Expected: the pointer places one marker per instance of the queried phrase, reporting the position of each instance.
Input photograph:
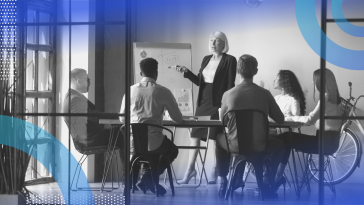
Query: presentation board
(168, 54)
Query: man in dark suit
(86, 129)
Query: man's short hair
(76, 72)
(148, 66)
(247, 66)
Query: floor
(347, 194)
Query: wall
(269, 32)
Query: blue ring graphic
(311, 31)
(346, 26)
(10, 126)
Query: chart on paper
(184, 100)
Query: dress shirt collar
(147, 79)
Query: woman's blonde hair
(330, 85)
(220, 35)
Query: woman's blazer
(224, 78)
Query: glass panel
(350, 9)
(44, 37)
(30, 70)
(115, 10)
(44, 17)
(44, 31)
(43, 71)
(31, 34)
(80, 46)
(45, 123)
(29, 105)
(80, 10)
(44, 107)
(31, 18)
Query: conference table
(190, 123)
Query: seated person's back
(148, 101)
(248, 95)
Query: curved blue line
(346, 26)
(311, 31)
(14, 133)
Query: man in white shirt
(148, 101)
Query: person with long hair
(291, 100)
(309, 143)
(216, 75)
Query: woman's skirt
(206, 109)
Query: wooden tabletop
(202, 123)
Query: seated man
(247, 95)
(87, 130)
(148, 103)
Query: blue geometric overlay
(311, 31)
(30, 134)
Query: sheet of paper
(184, 100)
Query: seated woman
(309, 143)
(291, 101)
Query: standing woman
(216, 75)
(309, 143)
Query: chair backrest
(251, 128)
(76, 143)
(140, 136)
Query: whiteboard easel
(168, 54)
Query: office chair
(86, 151)
(140, 136)
(252, 128)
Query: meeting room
(177, 102)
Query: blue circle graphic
(346, 26)
(311, 31)
(21, 134)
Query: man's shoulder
(261, 90)
(74, 95)
(162, 88)
(257, 90)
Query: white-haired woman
(216, 75)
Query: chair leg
(305, 177)
(170, 177)
(77, 167)
(132, 180)
(228, 188)
(246, 173)
(132, 173)
(117, 171)
(108, 163)
(154, 168)
(258, 167)
(306, 163)
(79, 171)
